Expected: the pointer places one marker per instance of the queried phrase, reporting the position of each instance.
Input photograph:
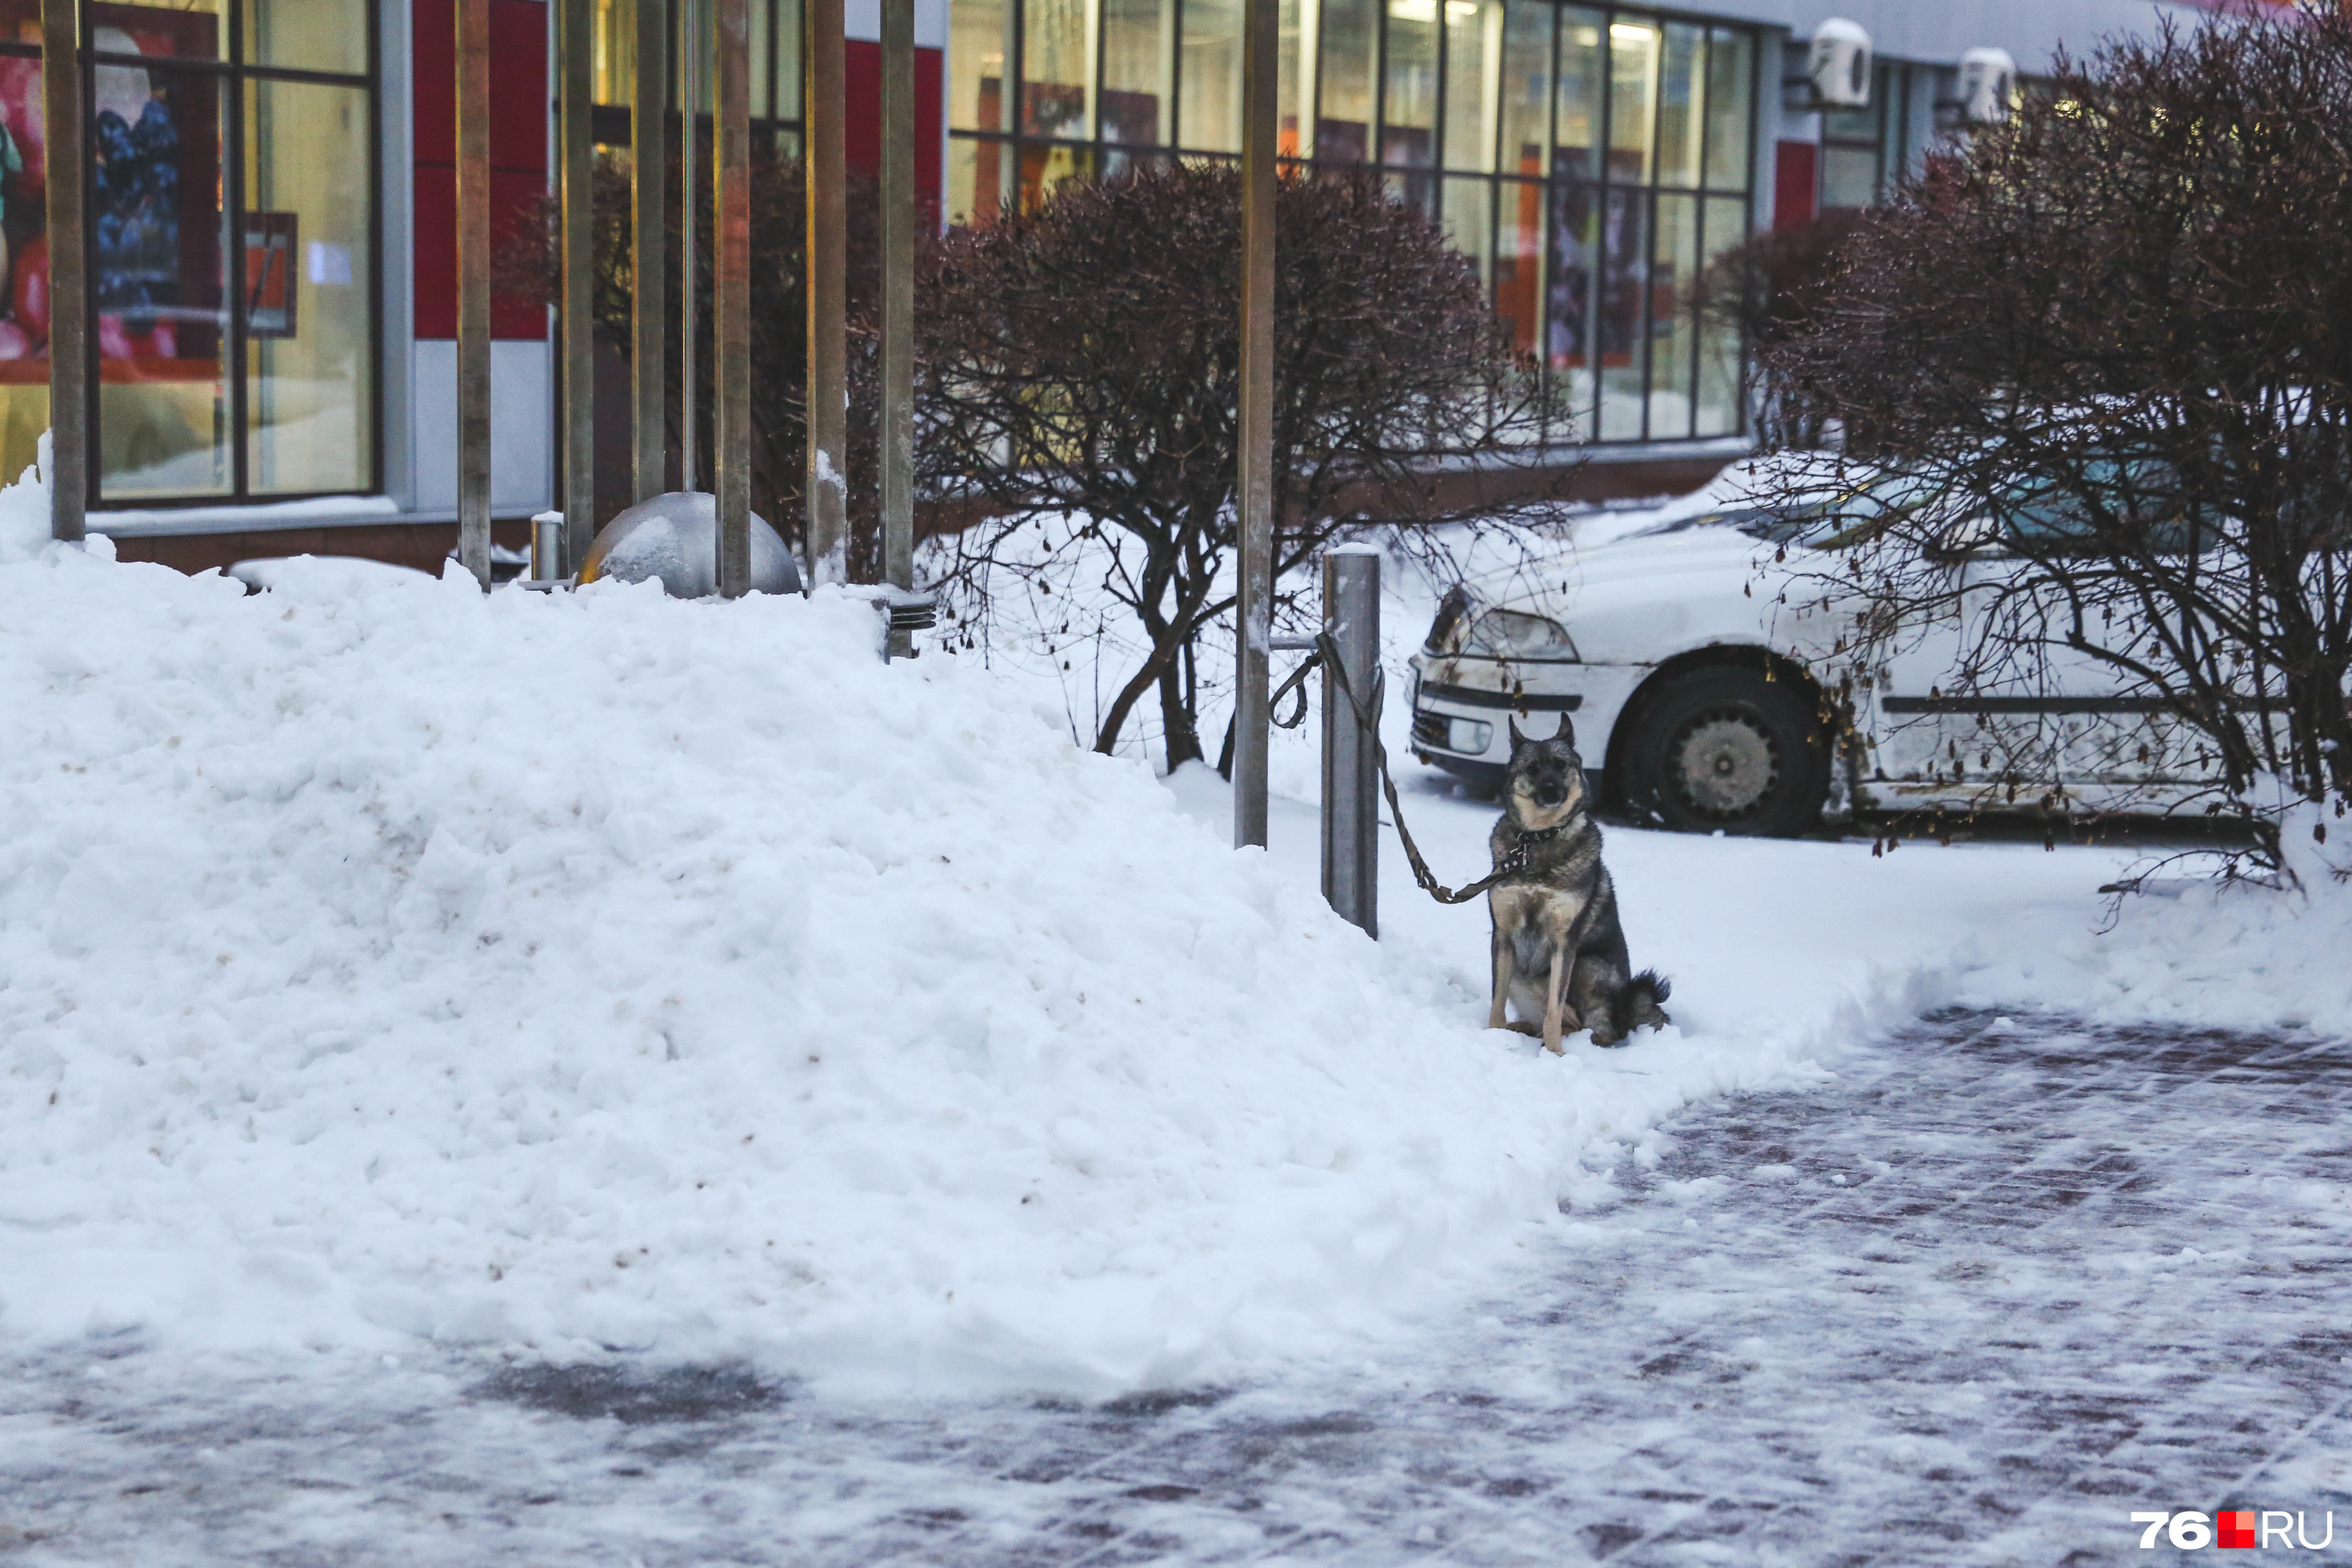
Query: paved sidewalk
(1999, 1286)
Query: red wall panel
(519, 130)
(1796, 185)
(862, 135)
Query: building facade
(271, 204)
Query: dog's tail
(1642, 1003)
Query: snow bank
(2199, 950)
(379, 960)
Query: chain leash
(1327, 654)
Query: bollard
(547, 547)
(1351, 819)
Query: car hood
(1641, 598)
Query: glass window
(1573, 296)
(1681, 102)
(1674, 273)
(1848, 175)
(1350, 44)
(787, 64)
(1730, 79)
(308, 35)
(1621, 318)
(192, 30)
(979, 40)
(1468, 218)
(309, 390)
(613, 52)
(159, 255)
(1409, 128)
(1057, 59)
(24, 268)
(1583, 90)
(1474, 81)
(1139, 64)
(1569, 151)
(1720, 410)
(1633, 63)
(1294, 80)
(1210, 118)
(1525, 90)
(979, 180)
(1518, 261)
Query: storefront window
(231, 243)
(1592, 161)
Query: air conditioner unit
(1839, 66)
(1987, 82)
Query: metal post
(649, 202)
(828, 297)
(474, 288)
(576, 134)
(1255, 480)
(69, 464)
(897, 431)
(1351, 817)
(689, 103)
(731, 284)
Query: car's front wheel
(1726, 750)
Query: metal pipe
(730, 266)
(898, 231)
(1351, 817)
(689, 102)
(1254, 478)
(69, 463)
(648, 293)
(474, 288)
(576, 135)
(828, 296)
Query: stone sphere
(672, 539)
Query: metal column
(1352, 815)
(69, 464)
(1255, 480)
(899, 226)
(689, 105)
(828, 296)
(649, 204)
(576, 156)
(474, 288)
(730, 270)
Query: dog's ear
(1566, 733)
(1517, 740)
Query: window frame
(235, 72)
(1425, 185)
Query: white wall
(1937, 33)
(523, 416)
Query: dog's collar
(1515, 859)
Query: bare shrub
(1080, 368)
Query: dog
(1560, 952)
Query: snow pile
(25, 516)
(591, 970)
(2199, 950)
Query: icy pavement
(1996, 1287)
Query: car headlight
(1512, 635)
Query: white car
(1703, 667)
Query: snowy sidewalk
(1993, 1290)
